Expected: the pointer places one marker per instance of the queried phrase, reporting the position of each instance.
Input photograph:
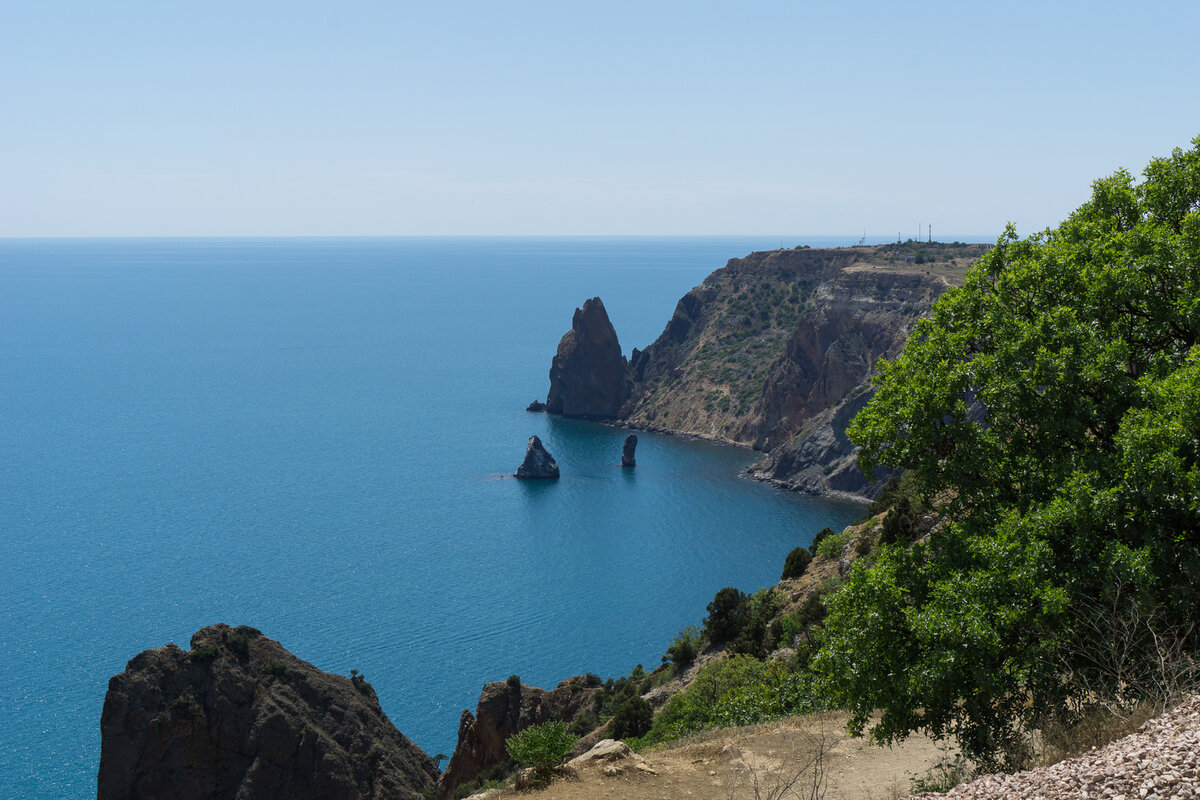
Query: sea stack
(627, 451)
(239, 716)
(589, 378)
(538, 463)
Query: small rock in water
(536, 405)
(538, 463)
(627, 451)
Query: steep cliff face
(505, 708)
(776, 351)
(240, 717)
(589, 377)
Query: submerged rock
(589, 378)
(238, 716)
(538, 463)
(627, 451)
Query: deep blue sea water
(310, 436)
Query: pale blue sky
(354, 118)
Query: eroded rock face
(589, 378)
(505, 708)
(538, 463)
(239, 717)
(627, 451)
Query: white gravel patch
(1160, 761)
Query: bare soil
(728, 763)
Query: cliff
(238, 716)
(504, 708)
(776, 351)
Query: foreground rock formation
(776, 351)
(589, 377)
(240, 717)
(538, 463)
(504, 708)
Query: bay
(311, 436)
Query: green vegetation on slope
(1050, 410)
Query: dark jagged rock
(506, 707)
(536, 405)
(589, 378)
(538, 463)
(627, 451)
(240, 717)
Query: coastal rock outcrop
(536, 406)
(238, 716)
(589, 377)
(538, 463)
(627, 451)
(776, 351)
(506, 707)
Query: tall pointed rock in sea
(589, 378)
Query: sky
(560, 118)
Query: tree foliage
(1049, 410)
(796, 563)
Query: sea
(315, 437)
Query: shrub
(736, 691)
(514, 682)
(821, 535)
(633, 718)
(239, 644)
(755, 638)
(796, 563)
(542, 747)
(831, 546)
(900, 524)
(683, 648)
(583, 724)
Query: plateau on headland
(775, 351)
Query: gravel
(1161, 761)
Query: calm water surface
(310, 437)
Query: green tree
(633, 718)
(1047, 408)
(796, 563)
(726, 615)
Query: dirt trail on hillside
(726, 764)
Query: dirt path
(727, 764)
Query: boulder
(630, 445)
(589, 378)
(603, 750)
(535, 406)
(238, 716)
(538, 463)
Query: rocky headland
(774, 351)
(238, 716)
